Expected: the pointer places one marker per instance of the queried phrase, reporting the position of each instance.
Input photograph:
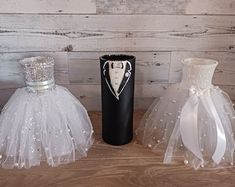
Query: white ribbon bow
(189, 124)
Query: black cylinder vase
(117, 87)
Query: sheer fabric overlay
(194, 121)
(47, 124)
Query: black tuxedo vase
(117, 87)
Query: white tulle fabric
(194, 121)
(50, 125)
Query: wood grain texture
(5, 95)
(11, 73)
(166, 7)
(115, 166)
(90, 95)
(159, 33)
(151, 67)
(79, 72)
(225, 71)
(48, 7)
(20, 33)
(230, 90)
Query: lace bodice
(198, 72)
(38, 72)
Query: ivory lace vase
(194, 121)
(43, 121)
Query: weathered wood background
(76, 32)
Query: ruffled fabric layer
(193, 126)
(51, 126)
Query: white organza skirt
(52, 126)
(193, 126)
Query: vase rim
(117, 57)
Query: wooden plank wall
(75, 32)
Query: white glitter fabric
(47, 124)
(194, 121)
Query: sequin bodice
(39, 73)
(198, 72)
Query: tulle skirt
(51, 126)
(194, 127)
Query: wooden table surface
(113, 166)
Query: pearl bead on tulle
(166, 117)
